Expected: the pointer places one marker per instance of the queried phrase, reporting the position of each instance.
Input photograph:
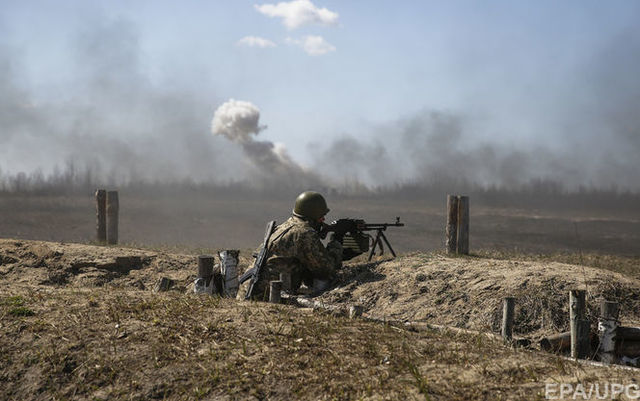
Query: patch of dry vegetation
(116, 344)
(467, 291)
(76, 325)
(627, 265)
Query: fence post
(451, 239)
(204, 282)
(607, 327)
(463, 225)
(101, 216)
(113, 207)
(578, 325)
(508, 310)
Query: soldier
(295, 248)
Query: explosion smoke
(238, 121)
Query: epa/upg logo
(591, 391)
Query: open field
(205, 219)
(75, 324)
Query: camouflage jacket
(295, 248)
(296, 244)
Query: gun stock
(261, 260)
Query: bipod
(378, 242)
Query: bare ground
(205, 220)
(77, 324)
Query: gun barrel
(381, 226)
(349, 225)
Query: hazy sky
(519, 89)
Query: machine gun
(354, 238)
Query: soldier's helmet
(311, 205)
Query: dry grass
(627, 265)
(467, 291)
(107, 344)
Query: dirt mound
(462, 292)
(467, 292)
(29, 263)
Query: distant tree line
(539, 193)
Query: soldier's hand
(324, 230)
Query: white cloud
(313, 45)
(255, 41)
(297, 13)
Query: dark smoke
(112, 121)
(593, 140)
(276, 167)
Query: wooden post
(274, 291)
(607, 327)
(463, 225)
(451, 239)
(508, 310)
(205, 266)
(577, 318)
(285, 277)
(583, 330)
(101, 216)
(112, 217)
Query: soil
(82, 321)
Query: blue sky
(520, 74)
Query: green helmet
(311, 205)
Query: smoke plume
(579, 129)
(571, 120)
(239, 121)
(438, 148)
(111, 123)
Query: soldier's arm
(320, 260)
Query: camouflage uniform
(295, 247)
